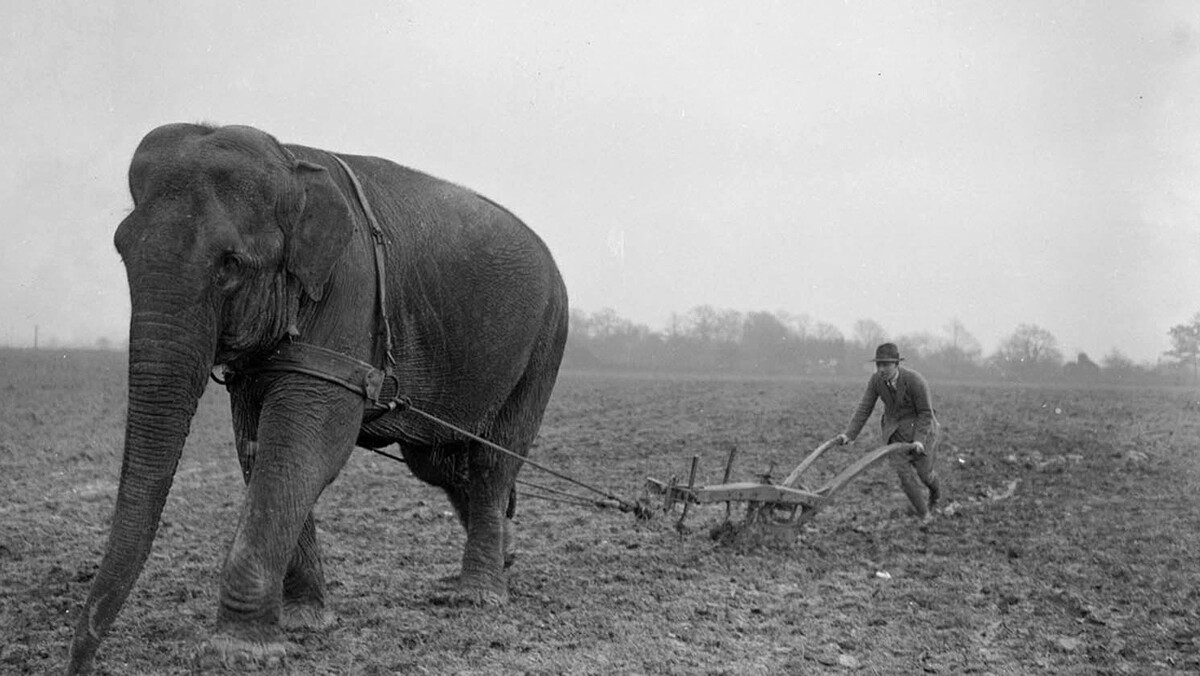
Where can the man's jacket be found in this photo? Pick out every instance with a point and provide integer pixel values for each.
(908, 410)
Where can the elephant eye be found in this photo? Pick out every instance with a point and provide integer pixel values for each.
(233, 263)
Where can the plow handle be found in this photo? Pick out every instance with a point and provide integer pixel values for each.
(794, 477)
(861, 465)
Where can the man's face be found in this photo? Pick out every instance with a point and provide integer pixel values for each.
(887, 369)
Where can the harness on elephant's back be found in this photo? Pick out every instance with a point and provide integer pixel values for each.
(380, 387)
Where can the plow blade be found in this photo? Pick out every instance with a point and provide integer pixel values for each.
(734, 492)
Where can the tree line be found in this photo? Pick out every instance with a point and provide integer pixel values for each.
(706, 339)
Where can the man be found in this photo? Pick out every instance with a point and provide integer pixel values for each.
(907, 417)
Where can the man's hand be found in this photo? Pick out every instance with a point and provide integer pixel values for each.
(919, 448)
(842, 439)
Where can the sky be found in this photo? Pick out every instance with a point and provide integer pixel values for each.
(912, 163)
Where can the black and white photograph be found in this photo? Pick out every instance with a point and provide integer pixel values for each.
(531, 337)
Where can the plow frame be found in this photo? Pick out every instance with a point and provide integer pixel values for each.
(804, 503)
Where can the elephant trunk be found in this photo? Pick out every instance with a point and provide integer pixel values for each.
(169, 361)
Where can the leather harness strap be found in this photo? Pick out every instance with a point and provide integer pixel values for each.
(377, 236)
(319, 362)
(379, 387)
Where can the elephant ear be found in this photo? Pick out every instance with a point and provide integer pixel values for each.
(320, 227)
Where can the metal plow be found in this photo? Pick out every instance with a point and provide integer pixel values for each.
(773, 511)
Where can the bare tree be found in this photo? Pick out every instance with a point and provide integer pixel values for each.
(827, 332)
(868, 333)
(1117, 367)
(701, 323)
(729, 326)
(580, 325)
(800, 325)
(919, 346)
(961, 341)
(765, 341)
(675, 326)
(1185, 344)
(1031, 352)
(959, 352)
(606, 323)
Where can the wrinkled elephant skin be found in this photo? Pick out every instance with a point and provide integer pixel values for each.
(236, 244)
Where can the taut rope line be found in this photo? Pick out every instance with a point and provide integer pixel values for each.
(404, 404)
(571, 498)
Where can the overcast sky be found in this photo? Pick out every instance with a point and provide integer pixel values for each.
(913, 163)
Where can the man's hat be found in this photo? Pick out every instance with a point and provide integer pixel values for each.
(887, 352)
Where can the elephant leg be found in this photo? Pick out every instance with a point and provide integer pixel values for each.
(487, 496)
(492, 479)
(444, 466)
(304, 438)
(478, 483)
(304, 584)
(457, 495)
(460, 501)
(491, 487)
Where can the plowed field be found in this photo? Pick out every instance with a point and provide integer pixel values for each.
(1069, 543)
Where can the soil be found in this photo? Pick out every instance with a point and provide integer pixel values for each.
(1067, 545)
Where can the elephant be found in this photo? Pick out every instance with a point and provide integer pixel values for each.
(331, 288)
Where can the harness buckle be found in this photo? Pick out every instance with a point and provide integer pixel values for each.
(373, 385)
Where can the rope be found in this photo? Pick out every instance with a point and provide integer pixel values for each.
(573, 499)
(579, 502)
(404, 404)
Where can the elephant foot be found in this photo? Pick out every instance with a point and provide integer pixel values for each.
(238, 655)
(305, 616)
(452, 591)
(471, 598)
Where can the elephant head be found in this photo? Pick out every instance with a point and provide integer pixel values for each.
(230, 236)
